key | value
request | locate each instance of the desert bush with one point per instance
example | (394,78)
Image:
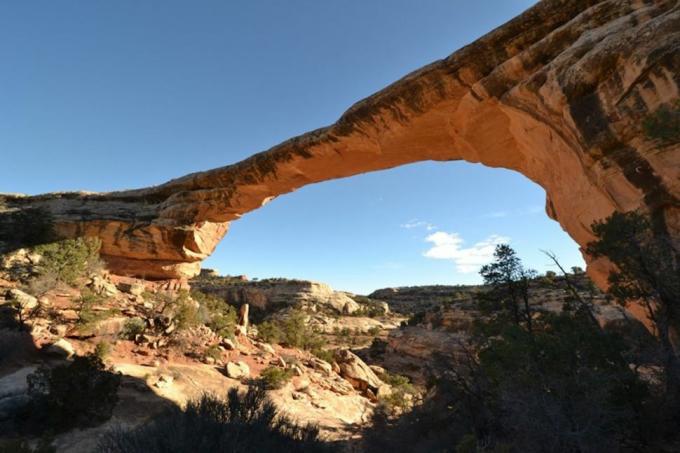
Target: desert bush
(70,259)
(41,284)
(401,397)
(80,393)
(323,354)
(269,332)
(292,330)
(186,312)
(102,350)
(375,330)
(664,124)
(88,317)
(275,377)
(243,422)
(368,307)
(132,328)
(215,313)
(214,352)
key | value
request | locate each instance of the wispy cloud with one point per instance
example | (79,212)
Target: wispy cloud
(415,223)
(449,246)
(496,215)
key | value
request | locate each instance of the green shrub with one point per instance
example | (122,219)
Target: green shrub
(70,259)
(88,317)
(219,316)
(275,377)
(664,124)
(323,354)
(292,330)
(398,400)
(374,331)
(132,328)
(214,352)
(102,350)
(270,332)
(244,422)
(82,393)
(186,313)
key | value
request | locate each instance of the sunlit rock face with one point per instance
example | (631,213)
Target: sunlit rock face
(558,94)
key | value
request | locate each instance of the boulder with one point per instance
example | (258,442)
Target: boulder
(229,344)
(237,370)
(356,372)
(321,365)
(164,380)
(136,289)
(26,301)
(103,287)
(61,348)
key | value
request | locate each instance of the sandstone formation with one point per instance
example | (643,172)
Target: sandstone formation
(277,293)
(558,94)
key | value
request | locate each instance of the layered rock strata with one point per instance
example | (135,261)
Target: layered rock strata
(559,94)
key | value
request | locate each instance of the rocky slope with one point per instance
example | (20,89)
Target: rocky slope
(442,319)
(168,352)
(559,94)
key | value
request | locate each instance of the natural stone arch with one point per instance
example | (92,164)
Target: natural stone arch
(558,94)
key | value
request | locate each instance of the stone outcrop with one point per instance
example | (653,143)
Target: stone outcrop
(276,293)
(558,94)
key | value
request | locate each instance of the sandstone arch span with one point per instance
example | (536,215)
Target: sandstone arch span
(558,94)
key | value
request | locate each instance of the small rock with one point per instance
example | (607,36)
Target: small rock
(380,371)
(103,287)
(300,383)
(279,361)
(44,301)
(136,289)
(61,348)
(266,348)
(229,344)
(321,365)
(59,329)
(164,380)
(209,360)
(298,396)
(238,370)
(34,258)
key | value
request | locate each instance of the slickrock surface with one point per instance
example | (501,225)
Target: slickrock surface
(558,94)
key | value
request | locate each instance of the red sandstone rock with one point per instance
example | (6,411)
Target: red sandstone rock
(558,94)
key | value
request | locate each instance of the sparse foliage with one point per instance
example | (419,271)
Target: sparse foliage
(275,377)
(243,422)
(70,259)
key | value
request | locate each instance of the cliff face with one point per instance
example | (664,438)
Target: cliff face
(558,94)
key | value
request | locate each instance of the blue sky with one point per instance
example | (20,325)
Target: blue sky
(102,95)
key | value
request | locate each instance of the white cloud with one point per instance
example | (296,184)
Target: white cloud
(448,246)
(415,223)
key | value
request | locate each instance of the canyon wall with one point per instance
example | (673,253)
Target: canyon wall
(559,94)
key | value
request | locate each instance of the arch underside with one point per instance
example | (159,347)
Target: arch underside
(558,94)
